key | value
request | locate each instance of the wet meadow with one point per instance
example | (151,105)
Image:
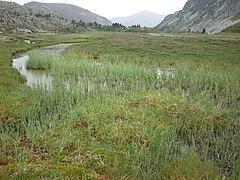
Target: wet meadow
(122,106)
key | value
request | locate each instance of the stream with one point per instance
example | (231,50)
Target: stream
(44,79)
(37,78)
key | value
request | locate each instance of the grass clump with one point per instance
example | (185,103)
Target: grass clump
(189,166)
(40,60)
(109,115)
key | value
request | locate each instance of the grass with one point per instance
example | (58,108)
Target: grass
(39,60)
(233,29)
(109,115)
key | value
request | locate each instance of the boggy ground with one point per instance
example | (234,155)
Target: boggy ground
(117,118)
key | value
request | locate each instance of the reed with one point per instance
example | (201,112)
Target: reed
(40,60)
(117,117)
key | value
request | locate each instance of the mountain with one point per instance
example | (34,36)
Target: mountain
(40,18)
(211,15)
(14,17)
(70,11)
(233,29)
(144,18)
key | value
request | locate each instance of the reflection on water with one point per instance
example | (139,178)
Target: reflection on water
(45,79)
(37,78)
(163,35)
(56,49)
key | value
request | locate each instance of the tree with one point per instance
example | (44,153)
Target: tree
(73,22)
(95,24)
(204,31)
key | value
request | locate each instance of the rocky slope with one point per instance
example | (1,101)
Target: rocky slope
(212,15)
(144,18)
(16,18)
(70,11)
(34,18)
(233,29)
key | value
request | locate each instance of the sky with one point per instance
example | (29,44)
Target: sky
(119,8)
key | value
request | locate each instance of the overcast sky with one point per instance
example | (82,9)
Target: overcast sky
(111,8)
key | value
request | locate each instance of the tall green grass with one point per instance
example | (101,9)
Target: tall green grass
(113,118)
(40,60)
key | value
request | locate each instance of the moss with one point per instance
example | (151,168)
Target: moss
(133,126)
(190,167)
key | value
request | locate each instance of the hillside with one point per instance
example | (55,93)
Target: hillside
(233,29)
(212,15)
(71,12)
(14,17)
(40,18)
(144,18)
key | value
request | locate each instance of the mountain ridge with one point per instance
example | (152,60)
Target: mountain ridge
(72,12)
(211,15)
(144,18)
(14,17)
(37,18)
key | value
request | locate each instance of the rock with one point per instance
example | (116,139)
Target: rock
(24,31)
(27,41)
(2,30)
(211,15)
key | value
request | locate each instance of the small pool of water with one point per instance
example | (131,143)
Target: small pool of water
(163,35)
(37,78)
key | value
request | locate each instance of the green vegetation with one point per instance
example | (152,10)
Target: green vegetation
(40,61)
(114,27)
(110,115)
(233,29)
(43,16)
(236,17)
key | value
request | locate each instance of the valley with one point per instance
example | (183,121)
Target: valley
(120,117)
(142,97)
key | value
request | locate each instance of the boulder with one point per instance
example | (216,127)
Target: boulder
(24,31)
(27,41)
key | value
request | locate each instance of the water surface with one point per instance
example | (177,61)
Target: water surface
(37,78)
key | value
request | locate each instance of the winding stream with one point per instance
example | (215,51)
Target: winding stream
(44,79)
(37,78)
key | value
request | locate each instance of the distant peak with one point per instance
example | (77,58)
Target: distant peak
(144,18)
